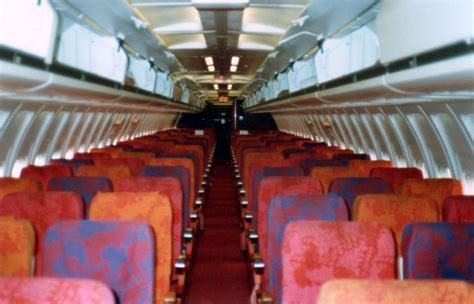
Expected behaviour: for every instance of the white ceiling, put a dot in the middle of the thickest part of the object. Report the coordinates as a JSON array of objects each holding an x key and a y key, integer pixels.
[{"x": 194, "y": 29}]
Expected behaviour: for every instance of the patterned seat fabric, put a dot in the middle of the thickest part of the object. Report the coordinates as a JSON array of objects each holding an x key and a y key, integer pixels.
[
  {"x": 117, "y": 253},
  {"x": 114, "y": 172},
  {"x": 145, "y": 157},
  {"x": 183, "y": 162},
  {"x": 327, "y": 174},
  {"x": 396, "y": 175},
  {"x": 17, "y": 244},
  {"x": 250, "y": 158},
  {"x": 314, "y": 144},
  {"x": 98, "y": 158},
  {"x": 279, "y": 186},
  {"x": 438, "y": 251},
  {"x": 459, "y": 209},
  {"x": 259, "y": 174},
  {"x": 54, "y": 291},
  {"x": 168, "y": 186},
  {"x": 315, "y": 252},
  {"x": 395, "y": 211},
  {"x": 296, "y": 159},
  {"x": 75, "y": 164},
  {"x": 180, "y": 173},
  {"x": 396, "y": 292},
  {"x": 86, "y": 186},
  {"x": 286, "y": 209},
  {"x": 152, "y": 208},
  {"x": 11, "y": 185},
  {"x": 290, "y": 151},
  {"x": 44, "y": 173},
  {"x": 308, "y": 164},
  {"x": 134, "y": 164},
  {"x": 365, "y": 166},
  {"x": 350, "y": 188},
  {"x": 43, "y": 209},
  {"x": 435, "y": 188}
]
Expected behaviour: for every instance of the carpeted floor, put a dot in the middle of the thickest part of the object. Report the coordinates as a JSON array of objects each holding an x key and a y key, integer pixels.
[{"x": 220, "y": 272}]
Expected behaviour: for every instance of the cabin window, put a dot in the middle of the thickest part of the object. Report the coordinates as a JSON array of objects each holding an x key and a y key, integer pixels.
[
  {"x": 140, "y": 74},
  {"x": 34, "y": 136},
  {"x": 27, "y": 25},
  {"x": 341, "y": 56},
  {"x": 387, "y": 134},
  {"x": 85, "y": 50},
  {"x": 12, "y": 138}
]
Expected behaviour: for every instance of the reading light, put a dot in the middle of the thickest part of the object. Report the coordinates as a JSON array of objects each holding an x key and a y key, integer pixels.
[
  {"x": 229, "y": 87},
  {"x": 234, "y": 60},
  {"x": 211, "y": 68},
  {"x": 233, "y": 68},
  {"x": 209, "y": 60},
  {"x": 216, "y": 86}
]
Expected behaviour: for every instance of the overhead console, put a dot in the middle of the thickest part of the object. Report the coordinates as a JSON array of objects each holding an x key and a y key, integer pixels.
[
  {"x": 87, "y": 51},
  {"x": 404, "y": 50}
]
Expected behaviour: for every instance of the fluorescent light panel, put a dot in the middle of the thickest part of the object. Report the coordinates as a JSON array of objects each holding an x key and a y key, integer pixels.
[
  {"x": 211, "y": 68},
  {"x": 233, "y": 68},
  {"x": 235, "y": 60},
  {"x": 209, "y": 60},
  {"x": 220, "y": 1},
  {"x": 216, "y": 86},
  {"x": 229, "y": 87}
]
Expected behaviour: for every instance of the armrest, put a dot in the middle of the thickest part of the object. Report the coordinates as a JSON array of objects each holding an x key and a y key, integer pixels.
[
  {"x": 265, "y": 298},
  {"x": 258, "y": 264},
  {"x": 170, "y": 298},
  {"x": 194, "y": 216},
  {"x": 198, "y": 203},
  {"x": 242, "y": 191},
  {"x": 244, "y": 203},
  {"x": 253, "y": 236},
  {"x": 180, "y": 264},
  {"x": 248, "y": 217},
  {"x": 201, "y": 191},
  {"x": 188, "y": 235}
]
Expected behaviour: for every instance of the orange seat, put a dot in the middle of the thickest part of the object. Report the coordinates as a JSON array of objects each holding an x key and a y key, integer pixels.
[
  {"x": 10, "y": 185},
  {"x": 146, "y": 157},
  {"x": 395, "y": 211},
  {"x": 186, "y": 163},
  {"x": 436, "y": 188},
  {"x": 168, "y": 186},
  {"x": 114, "y": 172},
  {"x": 113, "y": 151},
  {"x": 396, "y": 175},
  {"x": 396, "y": 292},
  {"x": 248, "y": 160},
  {"x": 43, "y": 173},
  {"x": 17, "y": 244},
  {"x": 99, "y": 158},
  {"x": 365, "y": 166},
  {"x": 327, "y": 174},
  {"x": 153, "y": 208}
]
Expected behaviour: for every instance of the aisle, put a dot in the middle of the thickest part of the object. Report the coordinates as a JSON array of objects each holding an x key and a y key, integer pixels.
[{"x": 220, "y": 273}]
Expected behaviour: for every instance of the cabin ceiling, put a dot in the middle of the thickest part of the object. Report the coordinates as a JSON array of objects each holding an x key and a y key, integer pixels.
[{"x": 194, "y": 29}]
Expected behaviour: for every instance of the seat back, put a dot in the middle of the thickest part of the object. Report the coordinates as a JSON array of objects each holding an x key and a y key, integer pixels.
[
  {"x": 286, "y": 209},
  {"x": 259, "y": 174},
  {"x": 438, "y": 251},
  {"x": 17, "y": 240},
  {"x": 117, "y": 253},
  {"x": 150, "y": 207},
  {"x": 98, "y": 158},
  {"x": 10, "y": 185},
  {"x": 458, "y": 209},
  {"x": 250, "y": 158},
  {"x": 168, "y": 186},
  {"x": 43, "y": 173},
  {"x": 180, "y": 173},
  {"x": 86, "y": 186},
  {"x": 75, "y": 164},
  {"x": 365, "y": 166},
  {"x": 42, "y": 209},
  {"x": 51, "y": 290},
  {"x": 183, "y": 162},
  {"x": 134, "y": 164},
  {"x": 114, "y": 172},
  {"x": 327, "y": 174},
  {"x": 435, "y": 188},
  {"x": 279, "y": 186},
  {"x": 395, "y": 291},
  {"x": 350, "y": 187},
  {"x": 396, "y": 175},
  {"x": 350, "y": 156},
  {"x": 395, "y": 211},
  {"x": 308, "y": 164},
  {"x": 315, "y": 252}
]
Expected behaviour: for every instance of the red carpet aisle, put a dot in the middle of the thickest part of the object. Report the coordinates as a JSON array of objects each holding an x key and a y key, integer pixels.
[{"x": 220, "y": 273}]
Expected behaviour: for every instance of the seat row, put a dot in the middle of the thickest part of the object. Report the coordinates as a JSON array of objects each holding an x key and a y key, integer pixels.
[
  {"x": 140, "y": 225},
  {"x": 339, "y": 185}
]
